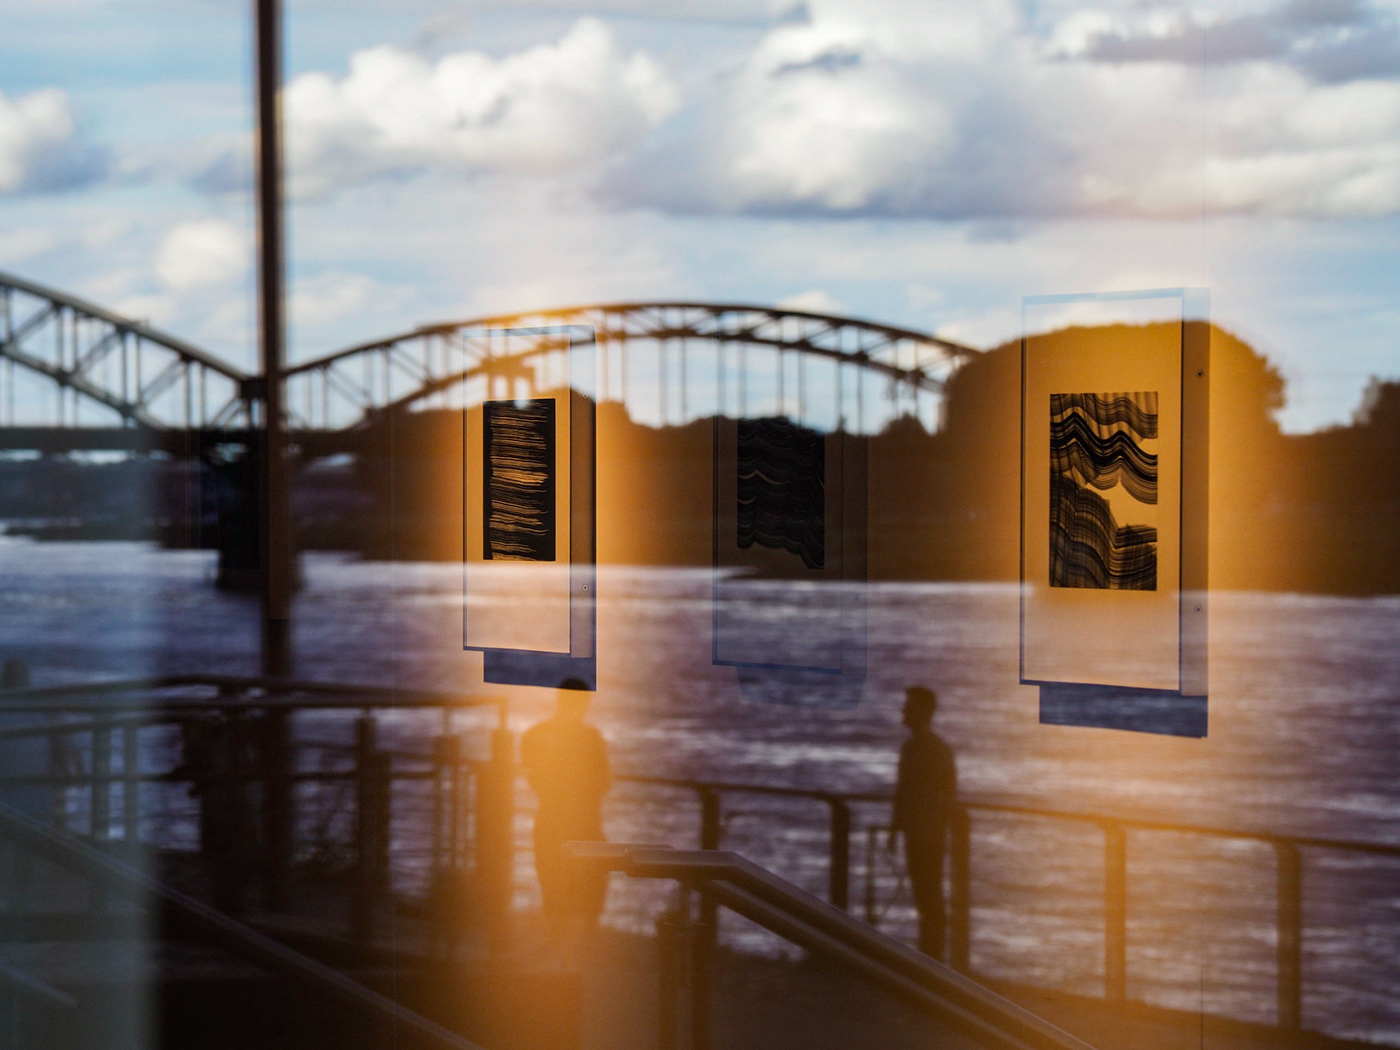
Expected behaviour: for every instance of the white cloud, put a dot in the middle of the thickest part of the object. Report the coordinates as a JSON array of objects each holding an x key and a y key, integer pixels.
[
  {"x": 28, "y": 126},
  {"x": 902, "y": 108},
  {"x": 539, "y": 111},
  {"x": 332, "y": 296},
  {"x": 201, "y": 253},
  {"x": 40, "y": 148},
  {"x": 686, "y": 9},
  {"x": 964, "y": 111},
  {"x": 815, "y": 300},
  {"x": 158, "y": 308},
  {"x": 827, "y": 139},
  {"x": 24, "y": 244}
]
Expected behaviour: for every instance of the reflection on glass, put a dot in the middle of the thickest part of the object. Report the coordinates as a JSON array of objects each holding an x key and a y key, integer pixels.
[{"x": 678, "y": 394}]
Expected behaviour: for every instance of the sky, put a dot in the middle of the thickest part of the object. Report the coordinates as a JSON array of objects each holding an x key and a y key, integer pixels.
[{"x": 925, "y": 165}]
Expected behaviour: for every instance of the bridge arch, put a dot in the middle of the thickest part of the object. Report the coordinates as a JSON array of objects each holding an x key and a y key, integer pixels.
[
  {"x": 353, "y": 386},
  {"x": 80, "y": 365},
  {"x": 69, "y": 363}
]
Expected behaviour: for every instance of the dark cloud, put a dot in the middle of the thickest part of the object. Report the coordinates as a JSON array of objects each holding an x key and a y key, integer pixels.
[
  {"x": 1332, "y": 41},
  {"x": 228, "y": 171},
  {"x": 832, "y": 61},
  {"x": 70, "y": 166},
  {"x": 797, "y": 14}
]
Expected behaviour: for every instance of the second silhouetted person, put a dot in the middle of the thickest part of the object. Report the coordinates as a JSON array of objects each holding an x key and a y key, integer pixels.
[
  {"x": 566, "y": 763},
  {"x": 924, "y": 798}
]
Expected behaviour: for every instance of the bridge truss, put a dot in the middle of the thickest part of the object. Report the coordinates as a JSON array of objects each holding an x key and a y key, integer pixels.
[
  {"x": 67, "y": 364},
  {"x": 68, "y": 367},
  {"x": 665, "y": 361}
]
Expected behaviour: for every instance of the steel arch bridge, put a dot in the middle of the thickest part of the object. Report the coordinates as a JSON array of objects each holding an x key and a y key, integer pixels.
[
  {"x": 355, "y": 386},
  {"x": 67, "y": 365},
  {"x": 70, "y": 364}
]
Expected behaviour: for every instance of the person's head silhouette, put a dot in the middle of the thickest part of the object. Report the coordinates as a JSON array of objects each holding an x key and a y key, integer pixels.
[
  {"x": 920, "y": 703},
  {"x": 573, "y": 699}
]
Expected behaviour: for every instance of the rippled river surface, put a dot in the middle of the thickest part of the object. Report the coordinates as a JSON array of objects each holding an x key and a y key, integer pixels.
[{"x": 1304, "y": 730}]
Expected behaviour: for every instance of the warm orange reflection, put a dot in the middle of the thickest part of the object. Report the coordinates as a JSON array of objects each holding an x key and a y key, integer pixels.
[{"x": 1196, "y": 913}]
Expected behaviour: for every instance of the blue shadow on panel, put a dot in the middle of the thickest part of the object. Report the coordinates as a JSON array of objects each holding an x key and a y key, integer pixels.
[
  {"x": 526, "y": 667},
  {"x": 1118, "y": 707}
]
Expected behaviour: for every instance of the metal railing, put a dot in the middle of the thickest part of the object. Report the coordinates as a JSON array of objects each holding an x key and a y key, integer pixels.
[
  {"x": 1290, "y": 852},
  {"x": 711, "y": 795},
  {"x": 33, "y": 1013},
  {"x": 218, "y": 928},
  {"x": 729, "y": 880},
  {"x": 473, "y": 807},
  {"x": 113, "y": 716}
]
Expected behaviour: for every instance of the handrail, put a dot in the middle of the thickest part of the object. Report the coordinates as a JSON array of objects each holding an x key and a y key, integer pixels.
[
  {"x": 35, "y": 990},
  {"x": 276, "y": 693},
  {"x": 318, "y": 695},
  {"x": 227, "y": 933},
  {"x": 797, "y": 915},
  {"x": 1099, "y": 819},
  {"x": 1143, "y": 824},
  {"x": 111, "y": 706},
  {"x": 753, "y": 789}
]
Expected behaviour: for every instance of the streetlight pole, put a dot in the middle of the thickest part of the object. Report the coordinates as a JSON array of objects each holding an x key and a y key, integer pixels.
[
  {"x": 277, "y": 560},
  {"x": 274, "y": 514}
]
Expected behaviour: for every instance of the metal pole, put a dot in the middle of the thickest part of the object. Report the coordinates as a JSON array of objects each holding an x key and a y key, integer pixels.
[
  {"x": 669, "y": 974},
  {"x": 58, "y": 768},
  {"x": 1115, "y": 913},
  {"x": 704, "y": 932},
  {"x": 960, "y": 876},
  {"x": 130, "y": 787},
  {"x": 494, "y": 871},
  {"x": 273, "y": 507},
  {"x": 100, "y": 804},
  {"x": 274, "y": 526},
  {"x": 839, "y": 871},
  {"x": 366, "y": 829},
  {"x": 710, "y": 820},
  {"x": 872, "y": 846},
  {"x": 1290, "y": 937},
  {"x": 453, "y": 745},
  {"x": 438, "y": 806}
]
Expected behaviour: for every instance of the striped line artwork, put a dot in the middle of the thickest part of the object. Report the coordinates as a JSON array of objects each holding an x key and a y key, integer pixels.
[
  {"x": 782, "y": 488},
  {"x": 1097, "y": 460}
]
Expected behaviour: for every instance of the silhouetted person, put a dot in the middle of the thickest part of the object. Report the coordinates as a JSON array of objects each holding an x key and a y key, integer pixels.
[
  {"x": 566, "y": 763},
  {"x": 215, "y": 760},
  {"x": 924, "y": 797}
]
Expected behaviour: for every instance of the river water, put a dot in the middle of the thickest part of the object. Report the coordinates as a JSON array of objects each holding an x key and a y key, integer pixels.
[{"x": 1304, "y": 730}]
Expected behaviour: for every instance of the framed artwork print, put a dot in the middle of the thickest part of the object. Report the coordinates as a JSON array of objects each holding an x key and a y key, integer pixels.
[
  {"x": 529, "y": 548},
  {"x": 789, "y": 560},
  {"x": 1114, "y": 476}
]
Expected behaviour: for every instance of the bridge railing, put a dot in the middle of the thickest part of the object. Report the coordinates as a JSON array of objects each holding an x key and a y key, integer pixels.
[
  {"x": 726, "y": 879},
  {"x": 108, "y": 874},
  {"x": 107, "y": 370},
  {"x": 1290, "y": 852},
  {"x": 368, "y": 798}
]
